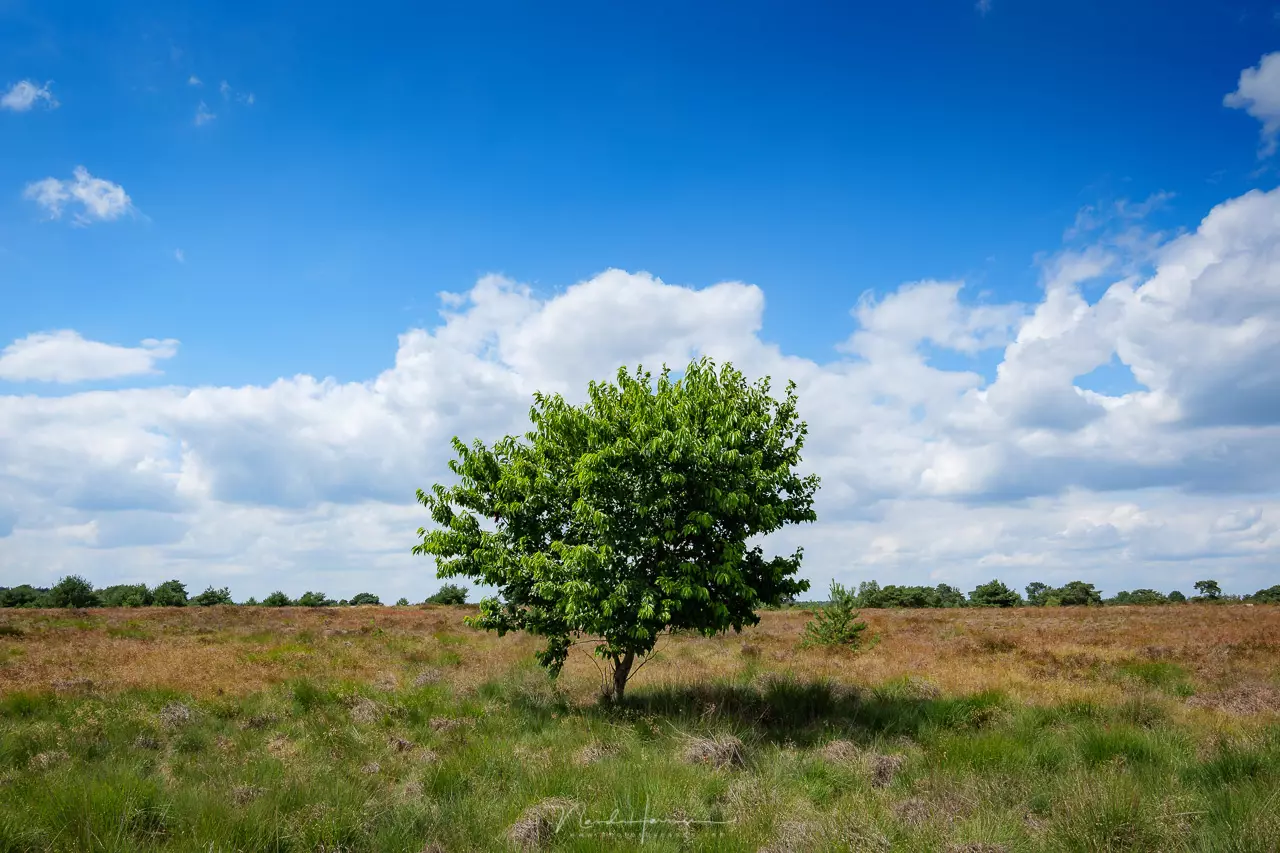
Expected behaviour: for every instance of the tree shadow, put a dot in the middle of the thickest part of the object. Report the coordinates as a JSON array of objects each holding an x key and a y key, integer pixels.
[{"x": 807, "y": 712}]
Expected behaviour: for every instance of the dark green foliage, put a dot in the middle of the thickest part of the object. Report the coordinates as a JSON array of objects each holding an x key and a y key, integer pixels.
[
  {"x": 629, "y": 515},
  {"x": 949, "y": 596},
  {"x": 1209, "y": 590},
  {"x": 1270, "y": 595},
  {"x": 448, "y": 594},
  {"x": 277, "y": 599},
  {"x": 211, "y": 597},
  {"x": 1177, "y": 597},
  {"x": 23, "y": 595},
  {"x": 837, "y": 623},
  {"x": 72, "y": 591},
  {"x": 1139, "y": 596},
  {"x": 994, "y": 594},
  {"x": 314, "y": 599},
  {"x": 871, "y": 595},
  {"x": 364, "y": 598},
  {"x": 402, "y": 602},
  {"x": 170, "y": 594},
  {"x": 125, "y": 595},
  {"x": 1038, "y": 593}
]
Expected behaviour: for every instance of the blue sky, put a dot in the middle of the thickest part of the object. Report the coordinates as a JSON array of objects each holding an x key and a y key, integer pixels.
[{"x": 303, "y": 182}]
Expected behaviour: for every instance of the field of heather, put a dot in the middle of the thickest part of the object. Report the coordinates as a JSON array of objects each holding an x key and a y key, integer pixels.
[{"x": 402, "y": 729}]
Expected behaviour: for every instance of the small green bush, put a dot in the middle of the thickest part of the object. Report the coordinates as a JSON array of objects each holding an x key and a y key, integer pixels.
[
  {"x": 450, "y": 593},
  {"x": 836, "y": 624}
]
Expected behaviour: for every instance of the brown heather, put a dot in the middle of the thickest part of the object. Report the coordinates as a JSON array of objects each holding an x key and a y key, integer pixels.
[{"x": 1033, "y": 655}]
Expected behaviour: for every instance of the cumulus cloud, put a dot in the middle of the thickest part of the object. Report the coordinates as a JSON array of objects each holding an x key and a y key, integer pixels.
[
  {"x": 98, "y": 200},
  {"x": 67, "y": 357},
  {"x": 193, "y": 80},
  {"x": 24, "y": 95},
  {"x": 932, "y": 471},
  {"x": 1258, "y": 94}
]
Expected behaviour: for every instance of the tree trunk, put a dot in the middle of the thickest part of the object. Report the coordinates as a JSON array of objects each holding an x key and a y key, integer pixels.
[{"x": 621, "y": 672}]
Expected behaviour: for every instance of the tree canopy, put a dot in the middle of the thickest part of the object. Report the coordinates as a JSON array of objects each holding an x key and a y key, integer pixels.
[{"x": 628, "y": 515}]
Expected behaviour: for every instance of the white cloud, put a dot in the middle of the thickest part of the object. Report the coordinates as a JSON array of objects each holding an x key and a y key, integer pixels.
[
  {"x": 67, "y": 357},
  {"x": 204, "y": 115},
  {"x": 930, "y": 471},
  {"x": 25, "y": 94},
  {"x": 193, "y": 80},
  {"x": 225, "y": 88},
  {"x": 983, "y": 6},
  {"x": 180, "y": 256},
  {"x": 1258, "y": 94},
  {"x": 99, "y": 200}
]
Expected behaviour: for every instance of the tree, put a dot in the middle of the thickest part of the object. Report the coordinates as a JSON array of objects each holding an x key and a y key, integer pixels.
[
  {"x": 125, "y": 595},
  {"x": 211, "y": 597},
  {"x": 24, "y": 595},
  {"x": 870, "y": 595},
  {"x": 1038, "y": 593},
  {"x": 1177, "y": 597},
  {"x": 170, "y": 594},
  {"x": 837, "y": 623},
  {"x": 1076, "y": 594},
  {"x": 73, "y": 591},
  {"x": 277, "y": 599},
  {"x": 364, "y": 598},
  {"x": 448, "y": 594},
  {"x": 994, "y": 594},
  {"x": 949, "y": 596},
  {"x": 402, "y": 602},
  {"x": 629, "y": 515},
  {"x": 1270, "y": 595},
  {"x": 315, "y": 599},
  {"x": 1209, "y": 590}
]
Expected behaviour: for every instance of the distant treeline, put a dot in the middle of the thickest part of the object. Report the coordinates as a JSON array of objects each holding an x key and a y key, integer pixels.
[
  {"x": 1074, "y": 594},
  {"x": 75, "y": 591}
]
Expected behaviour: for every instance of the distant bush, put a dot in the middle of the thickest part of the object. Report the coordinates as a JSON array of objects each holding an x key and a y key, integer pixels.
[
  {"x": 171, "y": 593},
  {"x": 1073, "y": 594},
  {"x": 125, "y": 595},
  {"x": 871, "y": 595},
  {"x": 837, "y": 623},
  {"x": 72, "y": 591},
  {"x": 315, "y": 599},
  {"x": 211, "y": 597},
  {"x": 402, "y": 602},
  {"x": 364, "y": 598},
  {"x": 1139, "y": 596},
  {"x": 277, "y": 599},
  {"x": 1209, "y": 591},
  {"x": 1177, "y": 597},
  {"x": 1270, "y": 595},
  {"x": 994, "y": 594},
  {"x": 448, "y": 594},
  {"x": 24, "y": 595}
]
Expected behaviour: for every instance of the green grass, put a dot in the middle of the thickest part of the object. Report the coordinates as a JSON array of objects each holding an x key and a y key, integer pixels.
[{"x": 318, "y": 766}]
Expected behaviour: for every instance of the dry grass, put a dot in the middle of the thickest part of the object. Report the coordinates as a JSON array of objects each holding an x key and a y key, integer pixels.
[{"x": 1035, "y": 655}]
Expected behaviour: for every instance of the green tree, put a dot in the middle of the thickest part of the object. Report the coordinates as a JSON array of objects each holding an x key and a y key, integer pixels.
[
  {"x": 315, "y": 599},
  {"x": 1270, "y": 595},
  {"x": 211, "y": 597},
  {"x": 125, "y": 595},
  {"x": 994, "y": 594},
  {"x": 450, "y": 593},
  {"x": 869, "y": 595},
  {"x": 1038, "y": 593},
  {"x": 629, "y": 515},
  {"x": 1076, "y": 594},
  {"x": 1177, "y": 597},
  {"x": 949, "y": 596},
  {"x": 277, "y": 599},
  {"x": 169, "y": 594},
  {"x": 837, "y": 623},
  {"x": 1209, "y": 590},
  {"x": 73, "y": 591},
  {"x": 24, "y": 595},
  {"x": 402, "y": 602},
  {"x": 364, "y": 598}
]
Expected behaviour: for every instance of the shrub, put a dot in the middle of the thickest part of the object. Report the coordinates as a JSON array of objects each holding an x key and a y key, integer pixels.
[
  {"x": 73, "y": 591},
  {"x": 364, "y": 598},
  {"x": 1209, "y": 591},
  {"x": 211, "y": 597},
  {"x": 402, "y": 602},
  {"x": 170, "y": 594},
  {"x": 450, "y": 593},
  {"x": 994, "y": 594},
  {"x": 315, "y": 599},
  {"x": 125, "y": 595},
  {"x": 1177, "y": 597},
  {"x": 277, "y": 599},
  {"x": 24, "y": 595},
  {"x": 1270, "y": 595},
  {"x": 837, "y": 623}
]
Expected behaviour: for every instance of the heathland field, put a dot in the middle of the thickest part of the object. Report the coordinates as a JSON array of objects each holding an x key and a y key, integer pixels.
[{"x": 401, "y": 729}]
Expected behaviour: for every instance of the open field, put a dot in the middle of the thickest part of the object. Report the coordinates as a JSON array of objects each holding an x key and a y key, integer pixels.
[{"x": 397, "y": 729}]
